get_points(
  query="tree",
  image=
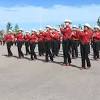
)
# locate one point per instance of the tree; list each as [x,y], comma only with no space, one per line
[16,28]
[8,27]
[98,21]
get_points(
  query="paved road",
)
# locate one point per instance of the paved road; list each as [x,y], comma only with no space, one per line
[22,79]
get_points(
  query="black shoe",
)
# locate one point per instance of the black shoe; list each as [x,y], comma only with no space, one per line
[65,64]
[9,55]
[95,58]
[88,67]
[19,57]
[35,57]
[22,56]
[32,59]
[51,59]
[46,60]
[82,68]
[73,57]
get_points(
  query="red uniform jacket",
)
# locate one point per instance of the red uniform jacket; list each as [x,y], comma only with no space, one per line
[66,32]
[20,37]
[75,35]
[27,37]
[85,37]
[9,37]
[40,37]
[47,36]
[55,35]
[96,36]
[33,38]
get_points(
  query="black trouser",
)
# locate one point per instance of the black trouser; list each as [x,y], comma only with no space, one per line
[41,48]
[74,48]
[19,46]
[32,48]
[48,51]
[27,47]
[9,44]
[84,55]
[59,44]
[96,49]
[66,51]
[55,47]
[0,42]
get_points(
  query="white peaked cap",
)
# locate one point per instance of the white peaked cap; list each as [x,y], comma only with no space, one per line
[54,28]
[27,31]
[10,31]
[88,25]
[48,26]
[34,30]
[40,29]
[68,20]
[74,26]
[96,26]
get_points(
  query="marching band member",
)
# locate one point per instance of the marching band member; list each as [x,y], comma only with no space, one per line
[9,39]
[96,42]
[20,41]
[33,41]
[66,43]
[85,38]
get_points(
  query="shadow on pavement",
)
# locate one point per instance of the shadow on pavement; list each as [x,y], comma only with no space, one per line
[43,60]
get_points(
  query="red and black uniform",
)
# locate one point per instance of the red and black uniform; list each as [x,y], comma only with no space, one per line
[41,45]
[75,43]
[96,44]
[85,38]
[27,39]
[20,41]
[48,39]
[66,43]
[55,42]
[9,39]
[33,41]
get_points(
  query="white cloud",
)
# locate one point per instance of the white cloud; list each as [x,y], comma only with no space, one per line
[55,14]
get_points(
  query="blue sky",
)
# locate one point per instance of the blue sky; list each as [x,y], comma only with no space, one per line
[47,3]
[31,14]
